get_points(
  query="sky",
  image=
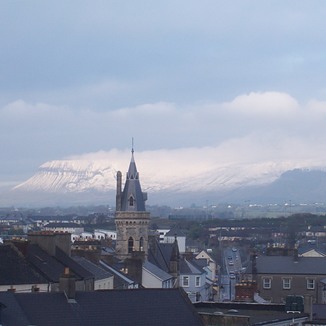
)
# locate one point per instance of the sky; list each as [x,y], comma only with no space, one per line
[246,79]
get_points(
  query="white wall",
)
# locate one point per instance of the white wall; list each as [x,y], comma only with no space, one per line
[104,284]
[24,287]
[181,242]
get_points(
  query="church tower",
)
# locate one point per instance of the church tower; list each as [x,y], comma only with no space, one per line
[131,218]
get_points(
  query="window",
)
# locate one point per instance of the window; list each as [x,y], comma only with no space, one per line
[197,282]
[141,244]
[267,283]
[286,283]
[310,284]
[130,245]
[185,280]
[131,201]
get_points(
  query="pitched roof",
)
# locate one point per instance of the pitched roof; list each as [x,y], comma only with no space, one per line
[159,273]
[161,254]
[15,269]
[113,307]
[287,265]
[98,272]
[53,267]
[132,189]
[121,281]
[63,225]
[187,267]
[175,231]
[310,248]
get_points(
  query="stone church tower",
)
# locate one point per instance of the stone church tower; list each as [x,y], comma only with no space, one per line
[131,218]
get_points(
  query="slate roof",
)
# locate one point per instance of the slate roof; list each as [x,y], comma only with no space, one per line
[175,231]
[158,307]
[187,267]
[260,314]
[162,275]
[287,265]
[98,272]
[63,225]
[310,247]
[132,188]
[53,267]
[121,281]
[161,255]
[15,269]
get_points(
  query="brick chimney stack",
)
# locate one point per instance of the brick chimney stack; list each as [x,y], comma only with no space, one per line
[67,284]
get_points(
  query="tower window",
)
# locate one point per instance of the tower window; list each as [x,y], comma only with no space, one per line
[141,244]
[131,201]
[130,245]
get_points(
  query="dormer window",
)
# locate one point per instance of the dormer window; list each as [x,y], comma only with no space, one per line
[131,201]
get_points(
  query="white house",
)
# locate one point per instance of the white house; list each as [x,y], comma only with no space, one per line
[162,233]
[154,277]
[181,238]
[193,281]
[103,280]
[105,234]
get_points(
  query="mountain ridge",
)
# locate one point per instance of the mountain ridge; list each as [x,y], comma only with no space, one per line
[90,181]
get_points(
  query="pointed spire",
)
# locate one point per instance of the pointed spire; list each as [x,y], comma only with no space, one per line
[133,198]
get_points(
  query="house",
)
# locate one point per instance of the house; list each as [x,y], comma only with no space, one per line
[209,264]
[158,307]
[105,234]
[154,277]
[72,228]
[243,314]
[16,274]
[121,280]
[193,281]
[176,233]
[166,257]
[103,280]
[280,276]
[161,233]
[310,250]
[48,254]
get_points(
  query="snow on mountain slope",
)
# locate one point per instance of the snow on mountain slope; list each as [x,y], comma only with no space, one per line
[156,174]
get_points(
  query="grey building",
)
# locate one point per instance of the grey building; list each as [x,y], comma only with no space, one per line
[131,218]
[281,276]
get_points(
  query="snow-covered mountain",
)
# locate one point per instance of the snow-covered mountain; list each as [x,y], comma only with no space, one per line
[86,180]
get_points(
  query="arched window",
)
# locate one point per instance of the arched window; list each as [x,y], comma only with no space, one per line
[130,245]
[131,201]
[141,244]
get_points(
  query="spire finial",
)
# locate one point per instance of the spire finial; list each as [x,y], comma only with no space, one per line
[132,145]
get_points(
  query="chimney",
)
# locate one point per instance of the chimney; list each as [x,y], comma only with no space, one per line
[295,255]
[67,284]
[118,196]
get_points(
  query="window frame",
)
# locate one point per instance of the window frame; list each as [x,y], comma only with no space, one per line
[185,284]
[267,283]
[286,283]
[197,281]
[311,284]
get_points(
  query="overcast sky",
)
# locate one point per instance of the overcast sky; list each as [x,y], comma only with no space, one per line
[247,78]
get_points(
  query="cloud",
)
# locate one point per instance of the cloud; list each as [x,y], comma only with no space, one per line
[265,105]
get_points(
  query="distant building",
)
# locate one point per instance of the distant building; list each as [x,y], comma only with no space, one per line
[280,276]
[131,218]
[173,234]
[72,228]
